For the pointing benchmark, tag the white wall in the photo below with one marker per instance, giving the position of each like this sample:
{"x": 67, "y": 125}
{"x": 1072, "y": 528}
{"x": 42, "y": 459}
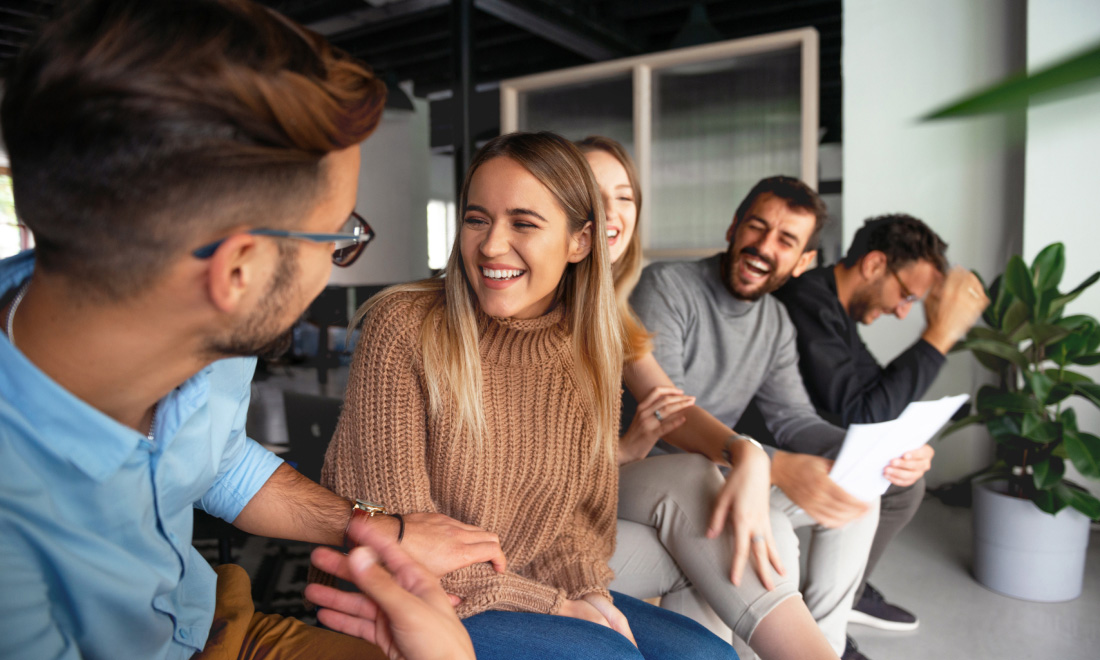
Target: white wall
{"x": 901, "y": 60}
{"x": 393, "y": 197}
{"x": 1063, "y": 164}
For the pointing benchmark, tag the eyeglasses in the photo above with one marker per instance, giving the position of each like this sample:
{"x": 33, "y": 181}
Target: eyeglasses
{"x": 347, "y": 244}
{"x": 907, "y": 295}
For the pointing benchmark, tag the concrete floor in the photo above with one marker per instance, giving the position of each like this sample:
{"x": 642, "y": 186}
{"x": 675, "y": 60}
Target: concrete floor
{"x": 927, "y": 570}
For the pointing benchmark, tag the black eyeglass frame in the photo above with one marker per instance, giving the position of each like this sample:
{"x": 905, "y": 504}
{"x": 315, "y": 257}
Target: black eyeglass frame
{"x": 341, "y": 256}
{"x": 907, "y": 295}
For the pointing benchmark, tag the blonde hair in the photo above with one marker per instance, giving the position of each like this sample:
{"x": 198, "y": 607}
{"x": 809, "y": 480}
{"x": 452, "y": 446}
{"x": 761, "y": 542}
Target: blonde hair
{"x": 449, "y": 334}
{"x": 626, "y": 271}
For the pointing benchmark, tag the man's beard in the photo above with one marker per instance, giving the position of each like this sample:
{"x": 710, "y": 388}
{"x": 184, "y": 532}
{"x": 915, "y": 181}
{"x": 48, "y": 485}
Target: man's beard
{"x": 773, "y": 281}
{"x": 261, "y": 337}
{"x": 864, "y": 300}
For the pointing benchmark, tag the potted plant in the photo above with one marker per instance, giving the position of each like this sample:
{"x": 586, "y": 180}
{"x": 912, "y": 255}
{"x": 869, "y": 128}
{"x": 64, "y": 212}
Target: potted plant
{"x": 1030, "y": 523}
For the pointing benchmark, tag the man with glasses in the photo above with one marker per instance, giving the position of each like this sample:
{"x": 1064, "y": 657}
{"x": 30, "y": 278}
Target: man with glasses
{"x": 894, "y": 262}
{"x": 189, "y": 171}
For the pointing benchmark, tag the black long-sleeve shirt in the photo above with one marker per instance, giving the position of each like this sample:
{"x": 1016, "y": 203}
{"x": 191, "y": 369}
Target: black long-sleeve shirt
{"x": 845, "y": 382}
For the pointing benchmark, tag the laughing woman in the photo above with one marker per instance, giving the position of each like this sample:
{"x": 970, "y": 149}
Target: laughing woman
{"x": 491, "y": 395}
{"x": 673, "y": 508}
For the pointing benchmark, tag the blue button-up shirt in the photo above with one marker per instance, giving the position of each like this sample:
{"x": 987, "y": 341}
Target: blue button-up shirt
{"x": 95, "y": 520}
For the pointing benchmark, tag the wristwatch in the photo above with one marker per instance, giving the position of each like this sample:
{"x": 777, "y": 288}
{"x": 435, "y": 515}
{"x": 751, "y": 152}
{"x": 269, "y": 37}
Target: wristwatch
{"x": 728, "y": 455}
{"x": 370, "y": 510}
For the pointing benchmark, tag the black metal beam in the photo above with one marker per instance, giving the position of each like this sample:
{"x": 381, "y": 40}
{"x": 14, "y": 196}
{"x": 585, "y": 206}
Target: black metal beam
{"x": 462, "y": 12}
{"x": 359, "y": 17}
{"x": 566, "y": 30}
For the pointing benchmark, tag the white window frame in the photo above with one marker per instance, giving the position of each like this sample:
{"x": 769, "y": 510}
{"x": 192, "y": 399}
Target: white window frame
{"x": 643, "y": 67}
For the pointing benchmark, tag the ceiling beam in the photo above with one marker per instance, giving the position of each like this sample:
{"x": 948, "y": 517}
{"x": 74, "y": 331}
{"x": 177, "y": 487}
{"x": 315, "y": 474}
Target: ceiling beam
{"x": 569, "y": 31}
{"x": 359, "y": 17}
{"x": 572, "y": 32}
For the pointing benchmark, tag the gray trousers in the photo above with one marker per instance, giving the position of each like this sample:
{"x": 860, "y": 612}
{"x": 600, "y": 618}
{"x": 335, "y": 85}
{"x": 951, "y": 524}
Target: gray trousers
{"x": 899, "y": 505}
{"x": 662, "y": 551}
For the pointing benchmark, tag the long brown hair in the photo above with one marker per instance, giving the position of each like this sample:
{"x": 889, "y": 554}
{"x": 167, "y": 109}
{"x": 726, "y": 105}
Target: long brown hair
{"x": 449, "y": 335}
{"x": 626, "y": 271}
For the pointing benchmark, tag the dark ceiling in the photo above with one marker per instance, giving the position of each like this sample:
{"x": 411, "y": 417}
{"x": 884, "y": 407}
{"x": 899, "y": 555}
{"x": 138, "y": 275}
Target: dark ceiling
{"x": 412, "y": 39}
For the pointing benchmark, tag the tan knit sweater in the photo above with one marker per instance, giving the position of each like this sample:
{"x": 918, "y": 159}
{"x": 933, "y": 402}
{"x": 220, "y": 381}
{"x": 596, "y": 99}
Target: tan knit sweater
{"x": 534, "y": 482}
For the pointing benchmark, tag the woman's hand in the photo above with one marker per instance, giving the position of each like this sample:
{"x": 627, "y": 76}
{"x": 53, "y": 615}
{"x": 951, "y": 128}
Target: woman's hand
{"x": 745, "y": 500}
{"x": 402, "y": 608}
{"x": 439, "y": 543}
{"x": 597, "y": 609}
{"x": 615, "y": 618}
{"x": 646, "y": 428}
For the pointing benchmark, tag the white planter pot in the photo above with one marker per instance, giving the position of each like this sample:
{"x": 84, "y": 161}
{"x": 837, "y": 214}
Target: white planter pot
{"x": 1022, "y": 552}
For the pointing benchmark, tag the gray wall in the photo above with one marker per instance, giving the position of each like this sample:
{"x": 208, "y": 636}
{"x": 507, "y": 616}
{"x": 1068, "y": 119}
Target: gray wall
{"x": 393, "y": 197}
{"x": 1063, "y": 164}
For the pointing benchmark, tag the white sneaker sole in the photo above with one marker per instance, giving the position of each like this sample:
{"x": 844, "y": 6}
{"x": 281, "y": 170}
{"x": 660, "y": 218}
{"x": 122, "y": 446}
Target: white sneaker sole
{"x": 855, "y": 616}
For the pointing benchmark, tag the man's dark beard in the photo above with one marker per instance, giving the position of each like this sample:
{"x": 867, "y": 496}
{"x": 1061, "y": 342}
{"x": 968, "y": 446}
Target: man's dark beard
{"x": 255, "y": 339}
{"x": 863, "y": 300}
{"x": 771, "y": 284}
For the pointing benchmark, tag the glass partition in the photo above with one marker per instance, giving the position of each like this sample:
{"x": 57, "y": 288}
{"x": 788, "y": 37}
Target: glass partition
{"x": 718, "y": 128}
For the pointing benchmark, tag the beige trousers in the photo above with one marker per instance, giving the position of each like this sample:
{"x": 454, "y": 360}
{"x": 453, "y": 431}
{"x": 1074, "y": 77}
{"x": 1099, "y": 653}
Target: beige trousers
{"x": 662, "y": 551}
{"x": 239, "y": 632}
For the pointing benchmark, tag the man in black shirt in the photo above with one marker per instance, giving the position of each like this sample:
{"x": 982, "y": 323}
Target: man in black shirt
{"x": 893, "y": 262}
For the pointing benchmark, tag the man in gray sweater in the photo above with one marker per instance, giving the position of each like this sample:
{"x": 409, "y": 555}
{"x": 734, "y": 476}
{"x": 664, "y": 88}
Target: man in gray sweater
{"x": 720, "y": 337}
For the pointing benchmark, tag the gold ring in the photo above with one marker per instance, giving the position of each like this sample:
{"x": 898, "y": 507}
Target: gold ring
{"x": 657, "y": 414}
{"x": 974, "y": 293}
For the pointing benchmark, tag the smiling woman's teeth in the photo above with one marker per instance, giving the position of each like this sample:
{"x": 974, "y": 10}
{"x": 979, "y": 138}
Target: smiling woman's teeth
{"x": 500, "y": 274}
{"x": 612, "y": 233}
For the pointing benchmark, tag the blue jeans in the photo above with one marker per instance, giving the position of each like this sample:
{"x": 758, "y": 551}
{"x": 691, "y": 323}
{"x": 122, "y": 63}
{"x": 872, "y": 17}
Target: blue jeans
{"x": 661, "y": 635}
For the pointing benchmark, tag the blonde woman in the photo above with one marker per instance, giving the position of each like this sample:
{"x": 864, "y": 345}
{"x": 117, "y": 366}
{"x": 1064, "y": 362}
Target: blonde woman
{"x": 669, "y": 531}
{"x": 491, "y": 395}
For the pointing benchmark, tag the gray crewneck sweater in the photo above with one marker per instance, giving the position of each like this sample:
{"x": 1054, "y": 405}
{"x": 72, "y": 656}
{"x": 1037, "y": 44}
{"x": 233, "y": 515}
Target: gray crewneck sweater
{"x": 726, "y": 352}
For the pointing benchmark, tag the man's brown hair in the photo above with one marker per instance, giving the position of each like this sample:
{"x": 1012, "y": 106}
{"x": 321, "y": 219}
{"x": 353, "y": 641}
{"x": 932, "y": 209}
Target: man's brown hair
{"x": 138, "y": 130}
{"x": 902, "y": 238}
{"x": 797, "y": 195}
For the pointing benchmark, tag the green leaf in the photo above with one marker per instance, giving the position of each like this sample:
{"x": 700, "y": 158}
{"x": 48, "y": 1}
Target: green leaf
{"x": 1041, "y": 333}
{"x": 1048, "y": 267}
{"x": 999, "y": 350}
{"x": 1049, "y": 500}
{"x": 1015, "y": 316}
{"x": 1060, "y": 392}
{"x": 1063, "y": 300}
{"x": 1076, "y": 322}
{"x": 1084, "y": 450}
{"x": 1048, "y": 472}
{"x": 1068, "y": 418}
{"x": 1018, "y": 92}
{"x": 978, "y": 332}
{"x": 1003, "y": 427}
{"x": 1079, "y": 499}
{"x": 1000, "y": 297}
{"x": 1040, "y": 385}
{"x": 1039, "y": 430}
{"x": 1067, "y": 376}
{"x": 962, "y": 423}
{"x": 1088, "y": 359}
{"x": 991, "y": 399}
{"x": 1018, "y": 281}
{"x": 1090, "y": 391}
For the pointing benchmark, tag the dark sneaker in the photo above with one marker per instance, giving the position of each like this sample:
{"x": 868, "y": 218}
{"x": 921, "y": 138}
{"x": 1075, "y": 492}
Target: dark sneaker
{"x": 851, "y": 651}
{"x": 873, "y": 610}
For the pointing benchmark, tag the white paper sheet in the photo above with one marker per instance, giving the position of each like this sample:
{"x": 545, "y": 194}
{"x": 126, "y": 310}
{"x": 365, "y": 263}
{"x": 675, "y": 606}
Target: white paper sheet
{"x": 869, "y": 448}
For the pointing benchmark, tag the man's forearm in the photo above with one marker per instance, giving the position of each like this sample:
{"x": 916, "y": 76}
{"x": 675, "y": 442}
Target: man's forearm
{"x": 290, "y": 506}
